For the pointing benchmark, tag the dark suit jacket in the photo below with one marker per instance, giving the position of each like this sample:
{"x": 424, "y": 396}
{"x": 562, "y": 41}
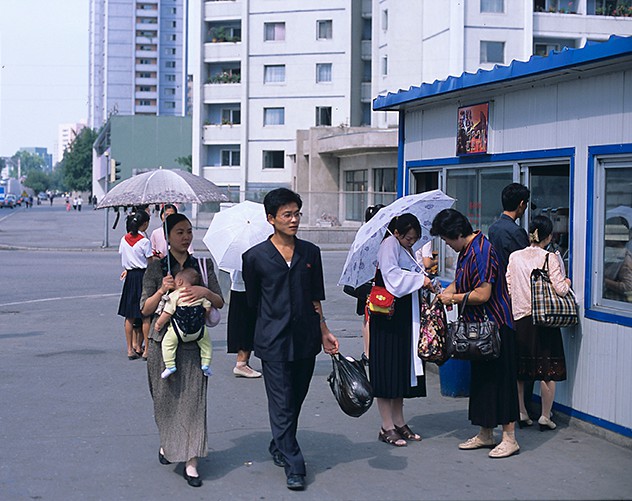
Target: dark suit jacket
{"x": 287, "y": 327}
{"x": 506, "y": 237}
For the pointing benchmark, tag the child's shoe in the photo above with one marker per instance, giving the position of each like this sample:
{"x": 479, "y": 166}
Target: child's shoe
{"x": 167, "y": 372}
{"x": 207, "y": 370}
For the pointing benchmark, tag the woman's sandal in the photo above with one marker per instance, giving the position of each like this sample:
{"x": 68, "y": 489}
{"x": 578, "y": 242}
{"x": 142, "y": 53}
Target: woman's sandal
{"x": 407, "y": 433}
{"x": 391, "y": 437}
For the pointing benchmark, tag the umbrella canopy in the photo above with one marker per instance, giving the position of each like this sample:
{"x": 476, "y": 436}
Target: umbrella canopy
{"x": 162, "y": 186}
{"x": 361, "y": 261}
{"x": 235, "y": 230}
{"x": 622, "y": 211}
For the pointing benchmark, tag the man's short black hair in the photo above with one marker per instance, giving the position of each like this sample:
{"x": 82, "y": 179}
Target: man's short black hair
{"x": 513, "y": 194}
{"x": 279, "y": 197}
{"x": 450, "y": 223}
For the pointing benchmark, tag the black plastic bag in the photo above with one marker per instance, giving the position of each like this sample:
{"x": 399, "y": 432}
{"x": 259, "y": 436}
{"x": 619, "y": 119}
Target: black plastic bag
{"x": 350, "y": 386}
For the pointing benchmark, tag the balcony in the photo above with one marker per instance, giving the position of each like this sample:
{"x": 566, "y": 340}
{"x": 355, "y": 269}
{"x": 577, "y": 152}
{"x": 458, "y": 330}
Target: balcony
{"x": 146, "y": 81}
{"x": 365, "y": 92}
{"x": 365, "y": 50}
{"x": 152, "y": 68}
{"x": 367, "y": 7}
{"x": 223, "y": 176}
{"x": 222, "y": 134}
{"x": 222, "y": 92}
{"x": 222, "y": 51}
{"x": 146, "y": 54}
{"x": 222, "y": 9}
{"x": 152, "y": 109}
{"x": 146, "y": 95}
{"x": 147, "y": 12}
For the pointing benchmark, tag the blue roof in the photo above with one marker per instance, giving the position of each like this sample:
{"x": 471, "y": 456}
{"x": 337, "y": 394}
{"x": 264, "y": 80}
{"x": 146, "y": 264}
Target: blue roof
{"x": 593, "y": 52}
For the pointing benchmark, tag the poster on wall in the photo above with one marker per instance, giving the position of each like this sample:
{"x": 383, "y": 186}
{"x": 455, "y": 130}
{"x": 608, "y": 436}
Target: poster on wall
{"x": 472, "y": 124}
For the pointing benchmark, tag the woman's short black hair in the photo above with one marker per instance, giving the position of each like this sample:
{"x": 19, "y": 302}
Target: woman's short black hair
{"x": 540, "y": 228}
{"x": 135, "y": 220}
{"x": 404, "y": 223}
{"x": 173, "y": 219}
{"x": 450, "y": 223}
{"x": 168, "y": 206}
{"x": 371, "y": 211}
{"x": 278, "y": 198}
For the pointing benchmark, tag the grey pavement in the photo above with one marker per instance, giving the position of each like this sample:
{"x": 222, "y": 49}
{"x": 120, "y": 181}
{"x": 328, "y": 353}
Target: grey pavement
{"x": 76, "y": 417}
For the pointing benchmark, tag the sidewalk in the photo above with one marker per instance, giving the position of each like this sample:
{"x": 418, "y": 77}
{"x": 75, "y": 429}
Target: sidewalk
{"x": 76, "y": 417}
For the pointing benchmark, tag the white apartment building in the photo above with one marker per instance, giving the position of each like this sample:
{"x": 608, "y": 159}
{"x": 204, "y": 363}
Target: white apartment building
{"x": 138, "y": 58}
{"x": 267, "y": 69}
{"x": 66, "y": 134}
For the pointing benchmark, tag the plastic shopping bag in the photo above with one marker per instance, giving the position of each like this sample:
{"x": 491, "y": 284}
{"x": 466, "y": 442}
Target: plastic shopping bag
{"x": 350, "y": 386}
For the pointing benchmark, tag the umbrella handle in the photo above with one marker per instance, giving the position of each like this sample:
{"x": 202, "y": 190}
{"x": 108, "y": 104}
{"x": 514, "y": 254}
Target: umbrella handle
{"x": 118, "y": 216}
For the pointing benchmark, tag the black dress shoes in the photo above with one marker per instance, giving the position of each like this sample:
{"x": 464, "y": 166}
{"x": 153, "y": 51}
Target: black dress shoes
{"x": 279, "y": 459}
{"x": 296, "y": 482}
{"x": 192, "y": 481}
{"x": 162, "y": 459}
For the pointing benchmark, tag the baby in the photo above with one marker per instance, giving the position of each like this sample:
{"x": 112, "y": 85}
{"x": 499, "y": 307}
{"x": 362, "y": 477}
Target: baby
{"x": 186, "y": 323}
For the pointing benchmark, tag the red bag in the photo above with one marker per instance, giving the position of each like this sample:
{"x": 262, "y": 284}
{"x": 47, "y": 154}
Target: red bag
{"x": 380, "y": 301}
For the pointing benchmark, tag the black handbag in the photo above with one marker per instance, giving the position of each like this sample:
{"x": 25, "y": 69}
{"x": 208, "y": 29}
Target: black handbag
{"x": 477, "y": 341}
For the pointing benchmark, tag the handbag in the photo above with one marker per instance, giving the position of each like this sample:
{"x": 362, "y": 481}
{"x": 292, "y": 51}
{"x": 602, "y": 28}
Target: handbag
{"x": 478, "y": 341}
{"x": 380, "y": 301}
{"x": 213, "y": 317}
{"x": 548, "y": 308}
{"x": 433, "y": 330}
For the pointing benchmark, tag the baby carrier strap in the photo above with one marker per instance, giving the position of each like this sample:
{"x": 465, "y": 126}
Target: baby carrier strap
{"x": 189, "y": 319}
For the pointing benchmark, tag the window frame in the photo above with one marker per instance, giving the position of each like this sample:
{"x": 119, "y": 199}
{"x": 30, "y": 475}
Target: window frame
{"x": 325, "y": 22}
{"x": 231, "y": 158}
{"x": 272, "y": 82}
{"x": 319, "y": 111}
{"x": 272, "y": 153}
{"x": 321, "y": 66}
{"x": 228, "y": 116}
{"x": 487, "y": 61}
{"x": 501, "y": 11}
{"x": 273, "y": 25}
{"x": 595, "y": 306}
{"x": 269, "y": 112}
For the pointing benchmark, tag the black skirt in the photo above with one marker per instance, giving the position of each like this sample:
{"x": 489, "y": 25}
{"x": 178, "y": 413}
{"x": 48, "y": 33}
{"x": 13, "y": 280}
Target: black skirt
{"x": 493, "y": 388}
{"x": 129, "y": 306}
{"x": 540, "y": 352}
{"x": 390, "y": 353}
{"x": 241, "y": 323}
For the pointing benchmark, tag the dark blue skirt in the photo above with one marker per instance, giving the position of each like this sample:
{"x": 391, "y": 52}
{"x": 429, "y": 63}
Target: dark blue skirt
{"x": 129, "y": 306}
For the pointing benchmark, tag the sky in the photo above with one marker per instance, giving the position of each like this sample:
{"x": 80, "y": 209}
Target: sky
{"x": 43, "y": 70}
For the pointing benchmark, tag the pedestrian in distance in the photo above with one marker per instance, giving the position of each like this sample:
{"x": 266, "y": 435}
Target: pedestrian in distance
{"x": 185, "y": 321}
{"x": 180, "y": 400}
{"x": 395, "y": 371}
{"x": 74, "y": 203}
{"x": 79, "y": 203}
{"x": 284, "y": 284}
{"x": 135, "y": 250}
{"x": 493, "y": 388}
{"x": 67, "y": 204}
{"x": 540, "y": 349}
{"x": 241, "y": 327}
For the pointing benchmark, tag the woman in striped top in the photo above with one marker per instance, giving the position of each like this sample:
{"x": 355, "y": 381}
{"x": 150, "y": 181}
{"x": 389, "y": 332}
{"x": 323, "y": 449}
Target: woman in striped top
{"x": 493, "y": 390}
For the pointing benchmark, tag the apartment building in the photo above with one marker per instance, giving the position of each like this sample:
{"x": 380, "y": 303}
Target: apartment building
{"x": 66, "y": 134}
{"x": 267, "y": 69}
{"x": 138, "y": 58}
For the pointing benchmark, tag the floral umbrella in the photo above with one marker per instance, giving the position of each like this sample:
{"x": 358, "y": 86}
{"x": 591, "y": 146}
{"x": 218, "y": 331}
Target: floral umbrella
{"x": 361, "y": 261}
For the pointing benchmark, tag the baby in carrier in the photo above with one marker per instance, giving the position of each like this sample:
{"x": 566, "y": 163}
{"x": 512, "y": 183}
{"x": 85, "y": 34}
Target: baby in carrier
{"x": 186, "y": 323}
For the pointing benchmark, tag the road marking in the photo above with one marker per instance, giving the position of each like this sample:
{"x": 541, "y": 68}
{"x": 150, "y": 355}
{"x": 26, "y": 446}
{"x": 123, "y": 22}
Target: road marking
{"x": 61, "y": 298}
{"x": 13, "y": 211}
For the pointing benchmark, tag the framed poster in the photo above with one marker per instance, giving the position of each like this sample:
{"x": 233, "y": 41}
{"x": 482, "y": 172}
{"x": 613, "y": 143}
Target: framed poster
{"x": 471, "y": 136}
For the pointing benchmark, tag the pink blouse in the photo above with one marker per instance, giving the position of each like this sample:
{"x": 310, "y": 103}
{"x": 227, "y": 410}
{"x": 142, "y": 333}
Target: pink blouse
{"x": 521, "y": 263}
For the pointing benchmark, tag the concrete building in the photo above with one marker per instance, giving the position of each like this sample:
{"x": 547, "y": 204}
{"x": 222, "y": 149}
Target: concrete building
{"x": 562, "y": 125}
{"x": 138, "y": 58}
{"x": 66, "y": 134}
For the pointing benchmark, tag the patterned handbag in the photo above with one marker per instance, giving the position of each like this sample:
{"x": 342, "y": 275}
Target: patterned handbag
{"x": 547, "y": 307}
{"x": 433, "y": 329}
{"x": 380, "y": 301}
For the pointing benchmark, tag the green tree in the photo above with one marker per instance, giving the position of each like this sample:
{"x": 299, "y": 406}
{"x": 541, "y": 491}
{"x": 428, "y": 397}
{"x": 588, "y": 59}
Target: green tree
{"x": 77, "y": 162}
{"x": 186, "y": 162}
{"x": 38, "y": 180}
{"x": 28, "y": 162}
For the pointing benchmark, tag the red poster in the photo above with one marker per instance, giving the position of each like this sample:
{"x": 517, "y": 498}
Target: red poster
{"x": 472, "y": 129}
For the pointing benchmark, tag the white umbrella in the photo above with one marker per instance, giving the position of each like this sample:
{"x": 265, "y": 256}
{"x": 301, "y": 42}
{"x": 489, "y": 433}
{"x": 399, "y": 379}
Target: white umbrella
{"x": 361, "y": 261}
{"x": 235, "y": 230}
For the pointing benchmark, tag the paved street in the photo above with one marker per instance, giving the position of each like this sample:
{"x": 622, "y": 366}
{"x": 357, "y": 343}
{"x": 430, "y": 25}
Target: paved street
{"x": 76, "y": 416}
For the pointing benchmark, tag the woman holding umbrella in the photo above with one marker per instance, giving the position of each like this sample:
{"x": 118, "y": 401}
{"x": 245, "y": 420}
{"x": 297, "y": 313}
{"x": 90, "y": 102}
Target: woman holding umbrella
{"x": 179, "y": 401}
{"x": 395, "y": 371}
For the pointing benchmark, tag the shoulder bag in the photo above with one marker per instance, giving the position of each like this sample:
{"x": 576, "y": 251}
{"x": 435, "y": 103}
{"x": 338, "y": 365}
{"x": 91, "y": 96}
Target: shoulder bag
{"x": 477, "y": 341}
{"x": 433, "y": 330}
{"x": 213, "y": 317}
{"x": 548, "y": 308}
{"x": 380, "y": 301}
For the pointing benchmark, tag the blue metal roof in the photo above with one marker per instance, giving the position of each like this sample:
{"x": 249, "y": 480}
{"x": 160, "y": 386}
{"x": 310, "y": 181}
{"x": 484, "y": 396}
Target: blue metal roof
{"x": 616, "y": 46}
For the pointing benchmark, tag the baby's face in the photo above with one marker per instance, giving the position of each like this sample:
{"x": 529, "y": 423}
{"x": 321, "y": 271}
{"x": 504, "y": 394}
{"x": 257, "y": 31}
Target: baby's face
{"x": 181, "y": 282}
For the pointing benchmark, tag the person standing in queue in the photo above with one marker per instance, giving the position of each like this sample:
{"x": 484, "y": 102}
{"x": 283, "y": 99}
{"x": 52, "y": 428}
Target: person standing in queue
{"x": 284, "y": 283}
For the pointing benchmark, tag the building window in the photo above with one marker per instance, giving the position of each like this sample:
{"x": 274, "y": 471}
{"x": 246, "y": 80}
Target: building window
{"x": 144, "y": 102}
{"x": 323, "y": 115}
{"x": 169, "y": 91}
{"x": 273, "y": 32}
{"x": 492, "y": 52}
{"x": 144, "y": 88}
{"x": 170, "y": 78}
{"x": 385, "y": 20}
{"x": 170, "y": 64}
{"x": 384, "y": 66}
{"x": 323, "y": 72}
{"x": 273, "y": 159}
{"x": 384, "y": 185}
{"x": 609, "y": 261}
{"x": 174, "y": 10}
{"x": 144, "y": 74}
{"x": 170, "y": 51}
{"x": 170, "y": 105}
{"x": 356, "y": 191}
{"x": 366, "y": 113}
{"x": 492, "y": 6}
{"x": 324, "y": 29}
{"x": 231, "y": 116}
{"x": 570, "y": 6}
{"x": 174, "y": 24}
{"x": 273, "y": 116}
{"x": 230, "y": 158}
{"x": 274, "y": 73}
{"x": 172, "y": 37}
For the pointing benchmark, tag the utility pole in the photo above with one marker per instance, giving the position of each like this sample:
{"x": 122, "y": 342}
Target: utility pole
{"x": 106, "y": 239}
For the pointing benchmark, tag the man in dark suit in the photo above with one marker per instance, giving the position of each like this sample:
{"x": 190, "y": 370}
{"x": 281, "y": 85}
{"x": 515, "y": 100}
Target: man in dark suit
{"x": 284, "y": 283}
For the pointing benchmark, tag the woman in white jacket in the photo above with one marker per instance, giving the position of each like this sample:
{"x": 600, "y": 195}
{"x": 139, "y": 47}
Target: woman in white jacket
{"x": 540, "y": 349}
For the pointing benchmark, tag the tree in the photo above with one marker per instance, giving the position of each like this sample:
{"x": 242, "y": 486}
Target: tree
{"x": 38, "y": 180}
{"x": 77, "y": 161}
{"x": 28, "y": 162}
{"x": 186, "y": 162}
